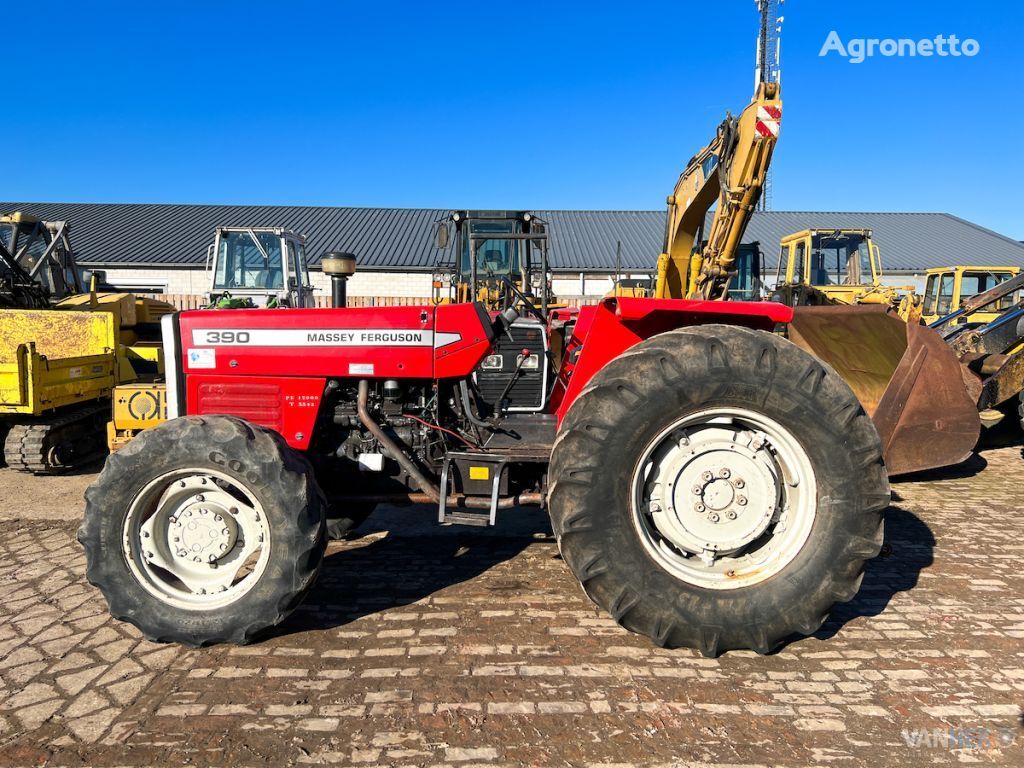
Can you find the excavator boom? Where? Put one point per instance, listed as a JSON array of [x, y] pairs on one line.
[[730, 170]]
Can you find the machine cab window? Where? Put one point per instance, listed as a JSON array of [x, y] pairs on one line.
[[249, 260], [493, 257], [259, 266]]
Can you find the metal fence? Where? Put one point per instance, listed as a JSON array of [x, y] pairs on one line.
[[185, 301], [197, 301]]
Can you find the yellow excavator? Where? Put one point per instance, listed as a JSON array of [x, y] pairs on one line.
[[925, 402], [826, 267]]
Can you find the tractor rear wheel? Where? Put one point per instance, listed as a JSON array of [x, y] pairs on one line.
[[718, 488], [204, 530]]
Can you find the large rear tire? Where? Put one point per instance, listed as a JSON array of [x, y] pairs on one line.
[[204, 530], [718, 488]]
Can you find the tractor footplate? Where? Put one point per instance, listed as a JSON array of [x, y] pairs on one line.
[[476, 475]]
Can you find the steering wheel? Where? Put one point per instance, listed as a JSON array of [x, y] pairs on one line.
[[523, 298]]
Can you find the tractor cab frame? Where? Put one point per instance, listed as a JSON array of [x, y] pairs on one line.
[[258, 267]]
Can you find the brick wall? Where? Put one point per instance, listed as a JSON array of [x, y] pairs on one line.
[[196, 281]]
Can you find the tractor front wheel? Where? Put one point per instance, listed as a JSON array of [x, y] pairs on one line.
[[718, 488], [204, 530]]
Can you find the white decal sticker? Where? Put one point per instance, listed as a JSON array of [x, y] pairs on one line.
[[360, 369], [202, 358], [75, 372], [321, 337]]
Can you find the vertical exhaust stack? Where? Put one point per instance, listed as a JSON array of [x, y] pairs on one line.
[[340, 266]]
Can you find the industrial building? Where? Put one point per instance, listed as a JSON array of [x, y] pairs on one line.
[[162, 249]]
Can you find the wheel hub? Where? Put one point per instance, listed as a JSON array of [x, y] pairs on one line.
[[204, 532], [189, 538], [723, 498], [715, 493]]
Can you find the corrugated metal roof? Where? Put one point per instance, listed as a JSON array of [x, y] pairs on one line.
[[907, 241], [117, 234]]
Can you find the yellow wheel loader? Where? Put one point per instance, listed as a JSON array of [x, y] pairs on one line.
[[947, 289], [827, 267]]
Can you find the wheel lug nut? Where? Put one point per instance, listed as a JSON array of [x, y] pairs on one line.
[[706, 476], [713, 517], [218, 518], [233, 510], [742, 501], [731, 515], [199, 497], [145, 534], [697, 490], [188, 513], [724, 472], [211, 559], [738, 482], [196, 559], [699, 507]]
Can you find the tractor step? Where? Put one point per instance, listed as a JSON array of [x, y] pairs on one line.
[[477, 474], [467, 517]]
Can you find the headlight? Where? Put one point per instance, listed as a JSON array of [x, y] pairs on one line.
[[493, 363], [531, 363]]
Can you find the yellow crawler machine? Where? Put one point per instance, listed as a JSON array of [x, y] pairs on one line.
[[825, 267], [947, 289], [61, 355]]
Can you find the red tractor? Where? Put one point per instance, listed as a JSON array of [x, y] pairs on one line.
[[710, 484]]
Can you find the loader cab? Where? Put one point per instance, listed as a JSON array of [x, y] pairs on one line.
[[483, 251], [835, 257], [828, 266], [260, 267], [946, 288], [42, 250]]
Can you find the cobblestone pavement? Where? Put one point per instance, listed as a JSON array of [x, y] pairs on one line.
[[431, 646]]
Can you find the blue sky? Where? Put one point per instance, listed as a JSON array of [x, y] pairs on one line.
[[518, 105]]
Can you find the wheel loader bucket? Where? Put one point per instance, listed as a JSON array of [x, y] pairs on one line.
[[906, 377]]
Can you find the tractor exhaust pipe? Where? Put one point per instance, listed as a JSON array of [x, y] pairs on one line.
[[430, 492]]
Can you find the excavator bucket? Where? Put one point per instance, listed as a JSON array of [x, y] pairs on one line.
[[906, 377]]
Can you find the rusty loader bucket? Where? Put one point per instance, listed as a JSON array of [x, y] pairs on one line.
[[906, 377]]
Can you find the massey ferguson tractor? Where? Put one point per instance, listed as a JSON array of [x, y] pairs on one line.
[[711, 484]]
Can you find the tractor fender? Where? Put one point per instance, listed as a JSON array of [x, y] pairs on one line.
[[606, 330]]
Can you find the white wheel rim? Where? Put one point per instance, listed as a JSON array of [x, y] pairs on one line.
[[724, 498], [196, 539]]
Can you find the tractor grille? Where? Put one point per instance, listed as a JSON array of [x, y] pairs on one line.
[[527, 393], [258, 403]]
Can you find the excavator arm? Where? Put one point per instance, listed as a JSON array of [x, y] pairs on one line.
[[732, 170]]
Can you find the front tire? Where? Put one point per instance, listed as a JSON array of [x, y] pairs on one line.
[[745, 491], [204, 530]]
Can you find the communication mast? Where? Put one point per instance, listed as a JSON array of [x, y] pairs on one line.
[[769, 69]]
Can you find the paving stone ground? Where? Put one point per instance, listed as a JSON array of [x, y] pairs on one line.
[[429, 646]]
